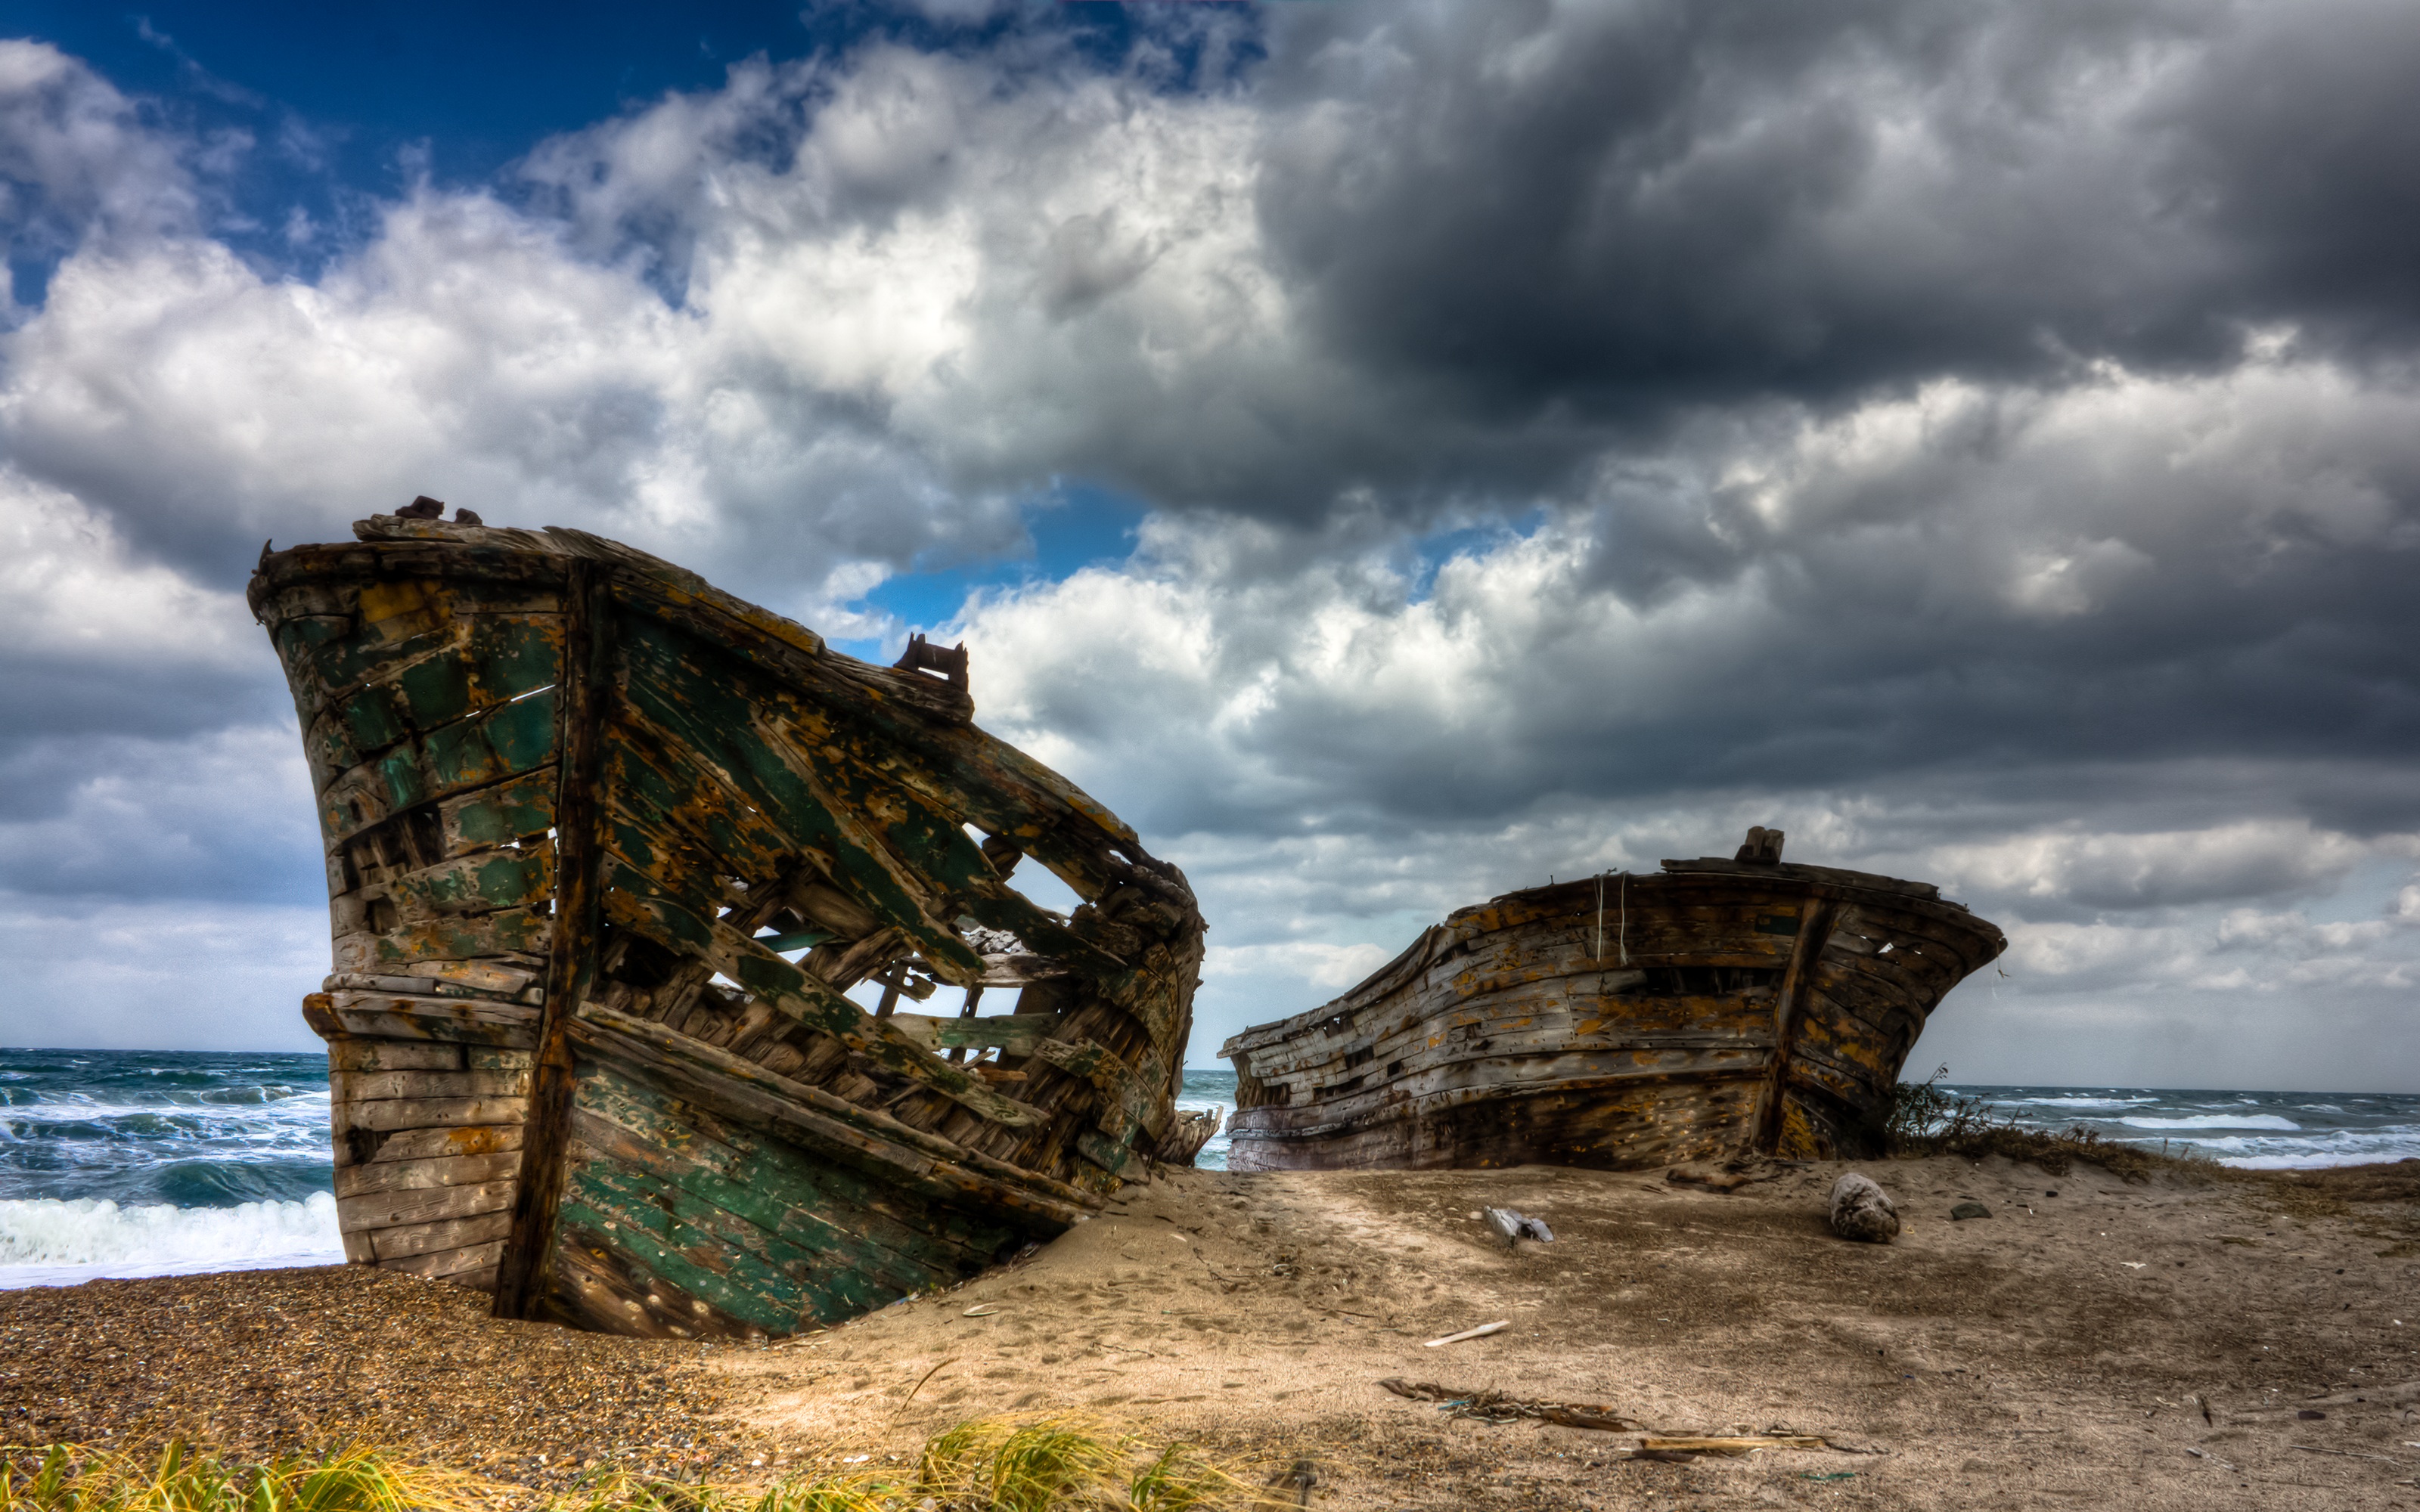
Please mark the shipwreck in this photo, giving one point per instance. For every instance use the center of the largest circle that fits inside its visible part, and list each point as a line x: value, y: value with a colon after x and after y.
x: 636, y: 889
x: 1714, y: 1008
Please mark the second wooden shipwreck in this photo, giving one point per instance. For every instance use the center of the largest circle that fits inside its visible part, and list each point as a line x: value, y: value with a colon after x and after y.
x: 1715, y: 1008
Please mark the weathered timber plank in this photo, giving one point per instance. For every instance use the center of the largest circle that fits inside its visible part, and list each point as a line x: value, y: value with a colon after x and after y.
x: 674, y: 684
x: 844, y: 776
x: 836, y: 1124
x: 400, y: 1174
x: 451, y: 1233
x: 586, y: 694
x: 653, y: 1229
x: 1014, y: 1035
x: 479, y: 882
x: 414, y: 945
x: 368, y: 1085
x: 478, y: 752
x: 1129, y: 1095
x: 710, y: 1254
x: 462, y: 1141
x: 488, y: 977
x: 399, y: 1016
x: 821, y: 1245
x: 373, y: 1024
x: 393, y: 1055
x: 471, y: 1265
x: 594, y: 1287
x: 430, y: 1112
x: 656, y: 782
x: 422, y: 1205
x: 832, y: 1209
x: 799, y: 993
x: 511, y: 811
x: 736, y: 1143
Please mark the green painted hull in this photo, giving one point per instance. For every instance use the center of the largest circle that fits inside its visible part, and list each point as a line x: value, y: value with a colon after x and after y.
x: 628, y: 880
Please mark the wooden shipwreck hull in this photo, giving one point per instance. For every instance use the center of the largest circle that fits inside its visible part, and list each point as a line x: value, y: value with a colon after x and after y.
x: 1715, y: 1008
x: 607, y: 848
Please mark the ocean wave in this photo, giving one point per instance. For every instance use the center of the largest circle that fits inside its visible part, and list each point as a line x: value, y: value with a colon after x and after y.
x: 43, y: 1241
x: 2217, y: 1120
x: 2075, y: 1101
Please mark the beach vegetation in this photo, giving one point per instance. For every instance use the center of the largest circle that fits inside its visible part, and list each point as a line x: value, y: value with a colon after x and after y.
x: 74, y: 1478
x: 1929, y: 1118
x: 979, y: 1466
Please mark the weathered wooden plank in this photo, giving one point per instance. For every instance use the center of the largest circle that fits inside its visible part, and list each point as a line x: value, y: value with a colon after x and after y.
x: 430, y: 1112
x: 1128, y: 1096
x: 672, y: 688
x: 368, y: 1086
x: 398, y: 1174
x: 471, y: 1265
x: 842, y: 1127
x: 479, y: 882
x: 1014, y: 1035
x: 422, y: 1205
x: 805, y: 997
x: 393, y: 1055
x: 401, y: 1016
x: 451, y: 1233
x: 831, y: 1207
x: 478, y: 752
x: 461, y: 1141
x: 436, y: 979
x: 510, y: 810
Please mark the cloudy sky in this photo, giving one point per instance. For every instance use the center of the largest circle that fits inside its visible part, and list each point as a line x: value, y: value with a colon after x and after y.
x: 1390, y: 453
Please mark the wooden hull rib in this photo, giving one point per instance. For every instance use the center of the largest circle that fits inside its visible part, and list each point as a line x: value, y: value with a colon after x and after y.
x: 626, y: 878
x: 1714, y: 1007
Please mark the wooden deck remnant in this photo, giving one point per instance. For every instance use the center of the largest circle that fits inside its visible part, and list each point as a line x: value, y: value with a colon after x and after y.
x: 616, y: 864
x: 1716, y: 1006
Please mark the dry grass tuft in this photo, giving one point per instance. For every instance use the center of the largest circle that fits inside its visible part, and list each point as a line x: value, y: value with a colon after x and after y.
x: 71, y: 1478
x: 1049, y: 1466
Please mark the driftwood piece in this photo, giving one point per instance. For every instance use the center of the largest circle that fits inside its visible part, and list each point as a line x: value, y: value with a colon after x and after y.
x: 1479, y: 1333
x: 1495, y: 1407
x: 1487, y: 1406
x: 1862, y: 1210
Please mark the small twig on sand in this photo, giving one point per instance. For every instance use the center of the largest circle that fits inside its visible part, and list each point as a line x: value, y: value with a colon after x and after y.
x: 919, y: 1386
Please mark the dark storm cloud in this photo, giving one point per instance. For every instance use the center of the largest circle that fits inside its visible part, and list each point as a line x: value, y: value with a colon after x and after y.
x: 1620, y: 209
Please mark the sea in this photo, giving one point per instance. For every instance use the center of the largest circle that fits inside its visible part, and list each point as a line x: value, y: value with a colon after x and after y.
x: 162, y: 1162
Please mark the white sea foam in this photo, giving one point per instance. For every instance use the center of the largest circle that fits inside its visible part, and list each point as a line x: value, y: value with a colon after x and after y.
x: 44, y: 1242
x: 2218, y: 1120
x: 2080, y: 1101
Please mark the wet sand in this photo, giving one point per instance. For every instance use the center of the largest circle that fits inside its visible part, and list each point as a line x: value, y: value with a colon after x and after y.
x: 2074, y: 1349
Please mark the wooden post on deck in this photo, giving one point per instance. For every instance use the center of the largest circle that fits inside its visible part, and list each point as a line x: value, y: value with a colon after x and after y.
x: 571, y: 958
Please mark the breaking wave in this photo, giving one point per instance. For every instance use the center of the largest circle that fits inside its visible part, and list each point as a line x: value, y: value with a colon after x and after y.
x: 2217, y: 1120
x: 56, y: 1242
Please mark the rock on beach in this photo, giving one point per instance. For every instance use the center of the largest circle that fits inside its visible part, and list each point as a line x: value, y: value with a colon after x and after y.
x: 1862, y: 1210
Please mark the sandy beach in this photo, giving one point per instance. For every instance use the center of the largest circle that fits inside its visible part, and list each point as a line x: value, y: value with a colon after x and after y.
x: 2192, y: 1340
